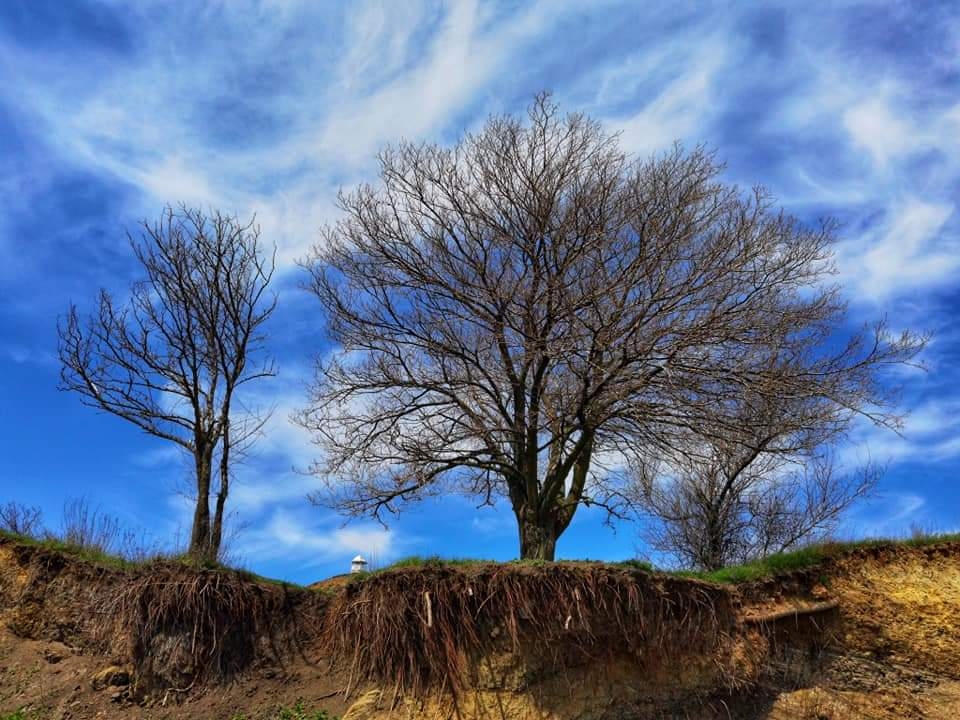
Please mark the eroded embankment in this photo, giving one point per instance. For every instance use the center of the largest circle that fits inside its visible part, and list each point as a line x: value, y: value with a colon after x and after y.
x: 889, y: 647
x: 872, y: 633
x: 866, y: 633
x: 494, y: 634
x: 48, y: 595
x: 480, y: 634
x: 174, y: 624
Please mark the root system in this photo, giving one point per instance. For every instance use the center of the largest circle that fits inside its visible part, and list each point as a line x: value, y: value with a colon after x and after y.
x: 419, y: 627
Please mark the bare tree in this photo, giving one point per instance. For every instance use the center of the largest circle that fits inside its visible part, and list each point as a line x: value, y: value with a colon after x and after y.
x: 171, y: 358
x: 514, y: 309
x: 20, y: 519
x: 765, y: 486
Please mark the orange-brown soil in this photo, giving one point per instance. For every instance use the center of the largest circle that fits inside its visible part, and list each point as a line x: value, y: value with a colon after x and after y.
x: 893, y: 649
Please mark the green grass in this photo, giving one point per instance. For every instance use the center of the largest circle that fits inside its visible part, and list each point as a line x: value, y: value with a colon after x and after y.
x: 765, y: 567
x: 251, y: 576
x: 776, y: 564
x: 438, y: 561
x: 635, y: 564
x: 421, y: 561
x: 924, y: 540
x: 22, y: 714
x: 104, y: 559
x: 98, y: 556
x: 810, y: 556
x: 297, y: 712
x: 93, y: 555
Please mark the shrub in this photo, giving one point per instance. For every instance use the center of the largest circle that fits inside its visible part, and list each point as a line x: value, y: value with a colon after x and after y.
x: 20, y: 519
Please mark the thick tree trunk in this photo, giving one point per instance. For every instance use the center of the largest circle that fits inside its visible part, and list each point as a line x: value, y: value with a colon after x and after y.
x: 200, y: 534
x: 538, y: 540
x: 713, y: 555
x: 713, y: 561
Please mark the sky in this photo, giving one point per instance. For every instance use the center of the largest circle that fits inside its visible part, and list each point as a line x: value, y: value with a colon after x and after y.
x: 110, y: 110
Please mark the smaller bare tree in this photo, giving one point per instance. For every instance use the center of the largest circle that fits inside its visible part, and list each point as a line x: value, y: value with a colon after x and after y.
x: 19, y: 519
x: 737, y: 493
x: 171, y: 359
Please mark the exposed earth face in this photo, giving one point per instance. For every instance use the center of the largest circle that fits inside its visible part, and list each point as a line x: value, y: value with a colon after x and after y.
x: 870, y: 634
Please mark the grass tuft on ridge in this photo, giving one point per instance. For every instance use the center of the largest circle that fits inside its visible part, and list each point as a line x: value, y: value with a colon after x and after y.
x: 811, y: 556
x: 97, y: 556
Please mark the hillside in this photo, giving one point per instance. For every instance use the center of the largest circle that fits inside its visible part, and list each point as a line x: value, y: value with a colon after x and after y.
x: 869, y: 632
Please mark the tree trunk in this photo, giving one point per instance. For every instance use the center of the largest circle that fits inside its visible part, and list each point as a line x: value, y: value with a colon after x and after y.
x: 200, y: 534
x: 216, y: 535
x: 538, y: 540
x: 713, y: 552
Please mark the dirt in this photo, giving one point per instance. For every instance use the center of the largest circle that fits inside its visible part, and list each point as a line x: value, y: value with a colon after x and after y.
x: 56, y: 661
x: 57, y: 682
x: 893, y: 649
x: 903, y: 608
x: 872, y: 634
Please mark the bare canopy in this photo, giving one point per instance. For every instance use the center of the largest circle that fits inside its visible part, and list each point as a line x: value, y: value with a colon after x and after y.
x: 764, y: 486
x: 170, y: 359
x: 514, y: 310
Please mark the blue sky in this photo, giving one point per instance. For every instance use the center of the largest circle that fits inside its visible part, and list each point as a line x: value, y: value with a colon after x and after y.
x: 108, y: 110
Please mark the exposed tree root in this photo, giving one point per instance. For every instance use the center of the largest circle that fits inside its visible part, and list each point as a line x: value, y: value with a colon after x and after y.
x: 183, y: 625
x: 418, y: 627
x: 791, y: 613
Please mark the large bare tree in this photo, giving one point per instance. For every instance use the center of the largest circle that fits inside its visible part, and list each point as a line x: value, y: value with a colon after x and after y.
x: 764, y: 486
x: 171, y: 357
x: 516, y: 308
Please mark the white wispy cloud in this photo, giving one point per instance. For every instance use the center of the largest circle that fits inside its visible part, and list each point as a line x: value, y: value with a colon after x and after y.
x: 297, y: 537
x: 890, y: 514
x: 494, y: 523
x: 680, y: 110
x: 405, y: 70
x: 873, y: 126
x: 281, y: 437
x: 885, y: 124
x: 909, y: 250
x: 929, y: 436
x: 21, y: 354
x: 252, y: 494
x: 166, y: 456
x: 869, y: 143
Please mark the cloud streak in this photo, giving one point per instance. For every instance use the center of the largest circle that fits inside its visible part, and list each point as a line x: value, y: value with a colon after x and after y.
x: 297, y: 538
